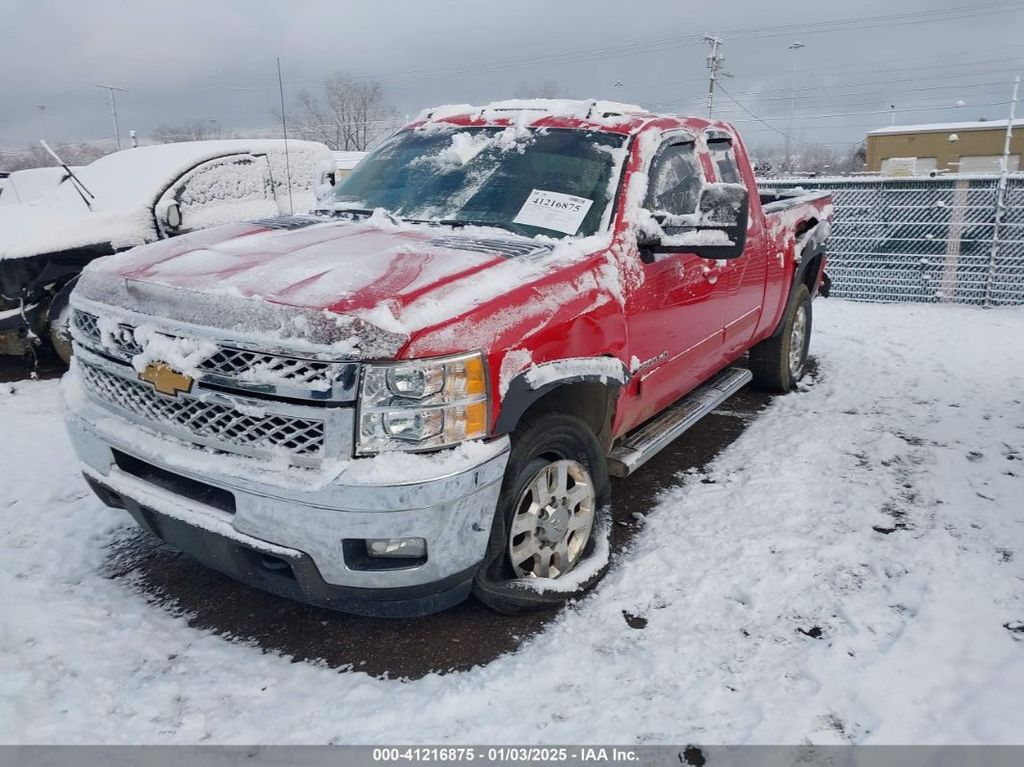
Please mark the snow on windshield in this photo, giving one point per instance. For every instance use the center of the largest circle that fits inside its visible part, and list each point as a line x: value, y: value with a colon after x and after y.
x: 492, y: 177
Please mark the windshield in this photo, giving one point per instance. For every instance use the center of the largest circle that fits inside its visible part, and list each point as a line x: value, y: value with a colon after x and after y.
x: 544, y: 181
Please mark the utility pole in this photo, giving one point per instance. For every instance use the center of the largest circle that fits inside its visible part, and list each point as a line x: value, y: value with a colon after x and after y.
x: 1004, y: 169
x: 792, y: 102
x: 715, y: 64
x: 113, y: 110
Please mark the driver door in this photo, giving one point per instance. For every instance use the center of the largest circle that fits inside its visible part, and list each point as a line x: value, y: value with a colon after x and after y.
x: 674, y: 318
x: 743, y: 278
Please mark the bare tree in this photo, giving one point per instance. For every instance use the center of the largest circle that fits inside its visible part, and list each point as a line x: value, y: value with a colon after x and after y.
x: 36, y: 157
x: 857, y: 159
x: 351, y: 115
x: 193, y: 130
x: 808, y: 160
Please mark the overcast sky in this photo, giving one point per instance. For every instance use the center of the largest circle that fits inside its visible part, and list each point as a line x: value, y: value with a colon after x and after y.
x: 214, y: 59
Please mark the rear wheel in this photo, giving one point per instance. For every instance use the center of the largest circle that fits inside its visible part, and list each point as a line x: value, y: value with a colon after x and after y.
x: 551, y: 523
x: 778, y: 362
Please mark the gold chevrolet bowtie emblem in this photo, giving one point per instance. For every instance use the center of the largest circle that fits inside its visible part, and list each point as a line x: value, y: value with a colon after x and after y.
x: 166, y: 379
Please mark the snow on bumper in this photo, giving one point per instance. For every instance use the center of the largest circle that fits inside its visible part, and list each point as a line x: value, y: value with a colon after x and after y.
x: 304, y: 523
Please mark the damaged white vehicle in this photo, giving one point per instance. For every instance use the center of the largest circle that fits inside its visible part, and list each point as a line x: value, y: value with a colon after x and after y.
x: 131, y: 198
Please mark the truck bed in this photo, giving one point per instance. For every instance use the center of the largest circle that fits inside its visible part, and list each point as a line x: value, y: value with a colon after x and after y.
x: 778, y: 200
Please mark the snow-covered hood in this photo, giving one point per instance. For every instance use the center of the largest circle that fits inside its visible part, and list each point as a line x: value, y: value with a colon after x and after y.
x: 37, y: 228
x: 357, y: 289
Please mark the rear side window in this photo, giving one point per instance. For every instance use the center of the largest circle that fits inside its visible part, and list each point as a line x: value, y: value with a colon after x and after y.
x: 724, y: 159
x: 675, y: 180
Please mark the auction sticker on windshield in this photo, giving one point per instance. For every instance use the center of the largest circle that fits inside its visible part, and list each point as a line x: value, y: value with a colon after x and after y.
x: 553, y: 210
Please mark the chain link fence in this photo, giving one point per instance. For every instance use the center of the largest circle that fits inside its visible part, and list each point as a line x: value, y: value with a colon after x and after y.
x: 924, y: 239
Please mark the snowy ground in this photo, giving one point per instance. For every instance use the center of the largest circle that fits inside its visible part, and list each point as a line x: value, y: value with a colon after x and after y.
x: 850, y: 569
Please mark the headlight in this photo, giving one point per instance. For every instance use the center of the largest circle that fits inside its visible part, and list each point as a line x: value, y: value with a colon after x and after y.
x: 422, y: 404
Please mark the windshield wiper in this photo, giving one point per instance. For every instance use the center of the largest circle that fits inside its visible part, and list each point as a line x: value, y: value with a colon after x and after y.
x: 81, y: 188
x: 352, y: 211
x: 360, y: 212
x: 458, y: 223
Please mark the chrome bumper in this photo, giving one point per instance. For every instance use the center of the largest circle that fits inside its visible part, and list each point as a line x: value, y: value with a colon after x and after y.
x: 290, y: 513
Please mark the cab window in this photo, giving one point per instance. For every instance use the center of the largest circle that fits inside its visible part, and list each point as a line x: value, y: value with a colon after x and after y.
x: 724, y: 159
x: 675, y: 180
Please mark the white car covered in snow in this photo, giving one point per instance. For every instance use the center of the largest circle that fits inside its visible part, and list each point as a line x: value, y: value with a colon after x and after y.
x: 133, y: 197
x: 345, y: 161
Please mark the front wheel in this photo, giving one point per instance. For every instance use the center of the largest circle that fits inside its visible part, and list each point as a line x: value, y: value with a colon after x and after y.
x: 548, y: 540
x: 778, y: 362
x: 60, y: 333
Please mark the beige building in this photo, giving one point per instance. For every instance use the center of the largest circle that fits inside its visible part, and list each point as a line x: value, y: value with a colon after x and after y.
x: 966, y: 147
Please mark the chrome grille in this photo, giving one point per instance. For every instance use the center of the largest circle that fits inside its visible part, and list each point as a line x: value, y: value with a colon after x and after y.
x: 88, y: 325
x: 208, y: 421
x: 122, y: 335
x: 246, y: 365
x: 228, y: 363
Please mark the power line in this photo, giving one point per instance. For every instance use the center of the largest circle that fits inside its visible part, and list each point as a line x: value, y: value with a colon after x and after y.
x: 932, y: 15
x: 951, y: 13
x: 831, y: 88
x: 738, y: 103
x: 960, y: 65
x: 867, y: 98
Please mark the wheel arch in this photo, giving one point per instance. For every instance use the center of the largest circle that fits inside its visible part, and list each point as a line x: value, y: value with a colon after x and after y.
x: 590, y: 397
x: 61, y: 299
x: 806, y: 273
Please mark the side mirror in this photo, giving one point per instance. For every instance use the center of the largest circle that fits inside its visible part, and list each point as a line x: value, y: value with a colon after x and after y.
x: 724, y: 208
x: 717, y: 230
x: 172, y: 216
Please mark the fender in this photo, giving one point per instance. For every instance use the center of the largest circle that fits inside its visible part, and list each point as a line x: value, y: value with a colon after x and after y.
x: 536, y: 382
x: 60, y: 300
x: 810, y: 252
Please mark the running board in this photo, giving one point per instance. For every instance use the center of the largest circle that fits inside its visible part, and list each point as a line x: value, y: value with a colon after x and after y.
x: 641, y: 445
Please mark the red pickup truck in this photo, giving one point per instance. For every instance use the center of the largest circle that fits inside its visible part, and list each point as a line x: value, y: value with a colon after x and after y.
x: 419, y: 390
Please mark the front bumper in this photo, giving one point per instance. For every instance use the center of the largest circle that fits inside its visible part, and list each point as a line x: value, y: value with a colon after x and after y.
x: 285, y: 530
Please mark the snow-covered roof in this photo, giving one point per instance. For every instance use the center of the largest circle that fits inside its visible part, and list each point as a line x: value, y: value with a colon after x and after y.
x: 127, y: 176
x: 594, y: 110
x: 944, y: 127
x: 127, y: 184
x: 347, y: 160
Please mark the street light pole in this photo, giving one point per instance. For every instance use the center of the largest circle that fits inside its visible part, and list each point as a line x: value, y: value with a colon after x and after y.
x: 792, y: 101
x: 113, y: 110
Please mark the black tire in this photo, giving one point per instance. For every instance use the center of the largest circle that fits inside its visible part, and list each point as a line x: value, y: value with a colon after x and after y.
x: 770, y: 360
x: 537, y: 442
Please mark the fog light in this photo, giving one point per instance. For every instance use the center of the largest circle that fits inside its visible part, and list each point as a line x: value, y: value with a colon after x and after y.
x: 396, y: 548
